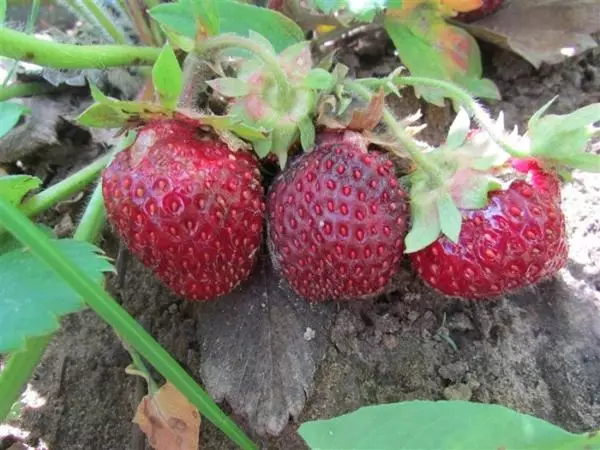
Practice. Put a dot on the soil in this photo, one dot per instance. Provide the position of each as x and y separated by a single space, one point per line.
537 351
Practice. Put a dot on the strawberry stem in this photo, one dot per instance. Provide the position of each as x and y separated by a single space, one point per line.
462 97
409 145
21 46
268 58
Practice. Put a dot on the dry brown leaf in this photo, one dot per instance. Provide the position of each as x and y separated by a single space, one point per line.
542 31
370 117
169 421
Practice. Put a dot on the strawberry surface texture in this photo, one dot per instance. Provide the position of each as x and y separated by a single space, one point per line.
337 219
518 239
187 207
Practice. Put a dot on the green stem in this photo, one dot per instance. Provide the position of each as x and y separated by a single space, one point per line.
409 145
65 188
462 97
94 218
123 324
21 46
25 90
139 21
104 21
269 59
18 370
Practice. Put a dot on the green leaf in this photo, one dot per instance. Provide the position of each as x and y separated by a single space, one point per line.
450 217
262 41
364 10
431 48
10 113
307 133
14 187
459 129
319 79
435 425
8 242
33 297
102 115
167 77
278 29
230 87
206 13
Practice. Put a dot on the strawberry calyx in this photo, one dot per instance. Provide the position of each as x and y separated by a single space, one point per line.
277 93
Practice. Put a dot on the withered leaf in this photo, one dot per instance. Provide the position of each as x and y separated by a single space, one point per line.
368 118
542 31
261 346
169 421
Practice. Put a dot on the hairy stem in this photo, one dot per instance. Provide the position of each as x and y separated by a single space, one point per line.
21 46
465 99
64 189
265 56
409 145
26 90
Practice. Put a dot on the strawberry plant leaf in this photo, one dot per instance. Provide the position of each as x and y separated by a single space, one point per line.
584 161
8 242
230 87
206 13
10 113
278 29
450 217
33 297
99 96
448 425
264 317
307 133
14 187
429 47
319 79
167 77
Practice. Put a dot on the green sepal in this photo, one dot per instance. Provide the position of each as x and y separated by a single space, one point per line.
563 139
206 13
229 86
262 147
319 79
458 130
167 78
449 216
283 138
100 115
426 226
307 133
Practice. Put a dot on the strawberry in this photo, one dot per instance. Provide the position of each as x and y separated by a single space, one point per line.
517 239
337 218
188 207
487 8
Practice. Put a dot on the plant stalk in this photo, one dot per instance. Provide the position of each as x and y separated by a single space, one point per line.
23 47
462 97
104 21
408 144
26 90
123 324
78 181
18 371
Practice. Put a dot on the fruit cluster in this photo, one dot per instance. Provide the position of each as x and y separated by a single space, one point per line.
478 217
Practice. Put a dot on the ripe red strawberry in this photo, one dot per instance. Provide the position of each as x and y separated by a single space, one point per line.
337 218
188 207
518 239
487 8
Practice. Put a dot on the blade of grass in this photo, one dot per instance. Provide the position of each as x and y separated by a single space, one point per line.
35 10
105 22
123 324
